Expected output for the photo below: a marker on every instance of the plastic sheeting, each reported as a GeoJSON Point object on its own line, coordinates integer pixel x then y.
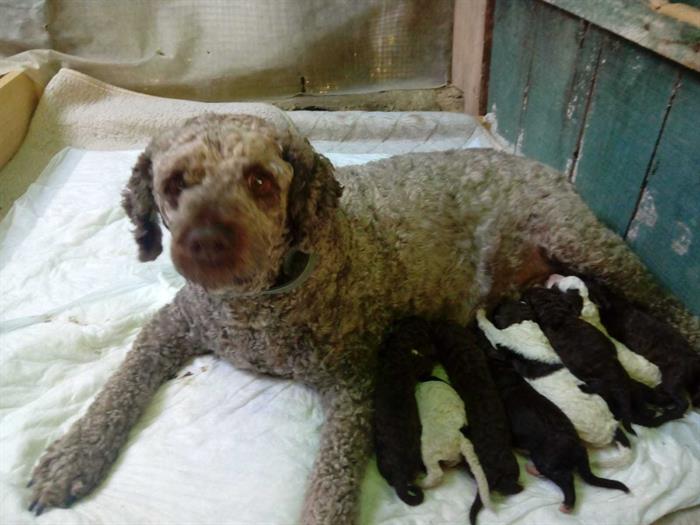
{"type": "Point", "coordinates": [233, 50]}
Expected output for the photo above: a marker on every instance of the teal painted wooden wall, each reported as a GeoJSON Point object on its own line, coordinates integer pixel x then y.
{"type": "Point", "coordinates": [621, 122]}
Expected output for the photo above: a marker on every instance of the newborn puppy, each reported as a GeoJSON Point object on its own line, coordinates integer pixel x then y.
{"type": "Point", "coordinates": [637, 366]}
{"type": "Point", "coordinates": [459, 351]}
{"type": "Point", "coordinates": [590, 355]}
{"type": "Point", "coordinates": [406, 355]}
{"type": "Point", "coordinates": [654, 339]}
{"type": "Point", "coordinates": [517, 335]}
{"type": "Point", "coordinates": [443, 439]}
{"type": "Point", "coordinates": [539, 427]}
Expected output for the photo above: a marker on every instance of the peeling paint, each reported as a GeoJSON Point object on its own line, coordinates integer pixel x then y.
{"type": "Point", "coordinates": [523, 109]}
{"type": "Point", "coordinates": [633, 232]}
{"type": "Point", "coordinates": [518, 150]}
{"type": "Point", "coordinates": [579, 149]}
{"type": "Point", "coordinates": [682, 238]}
{"type": "Point", "coordinates": [569, 165]}
{"type": "Point", "coordinates": [646, 215]}
{"type": "Point", "coordinates": [571, 107]}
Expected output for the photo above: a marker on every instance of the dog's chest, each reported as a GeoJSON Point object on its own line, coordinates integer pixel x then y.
{"type": "Point", "coordinates": [258, 340]}
{"type": "Point", "coordinates": [261, 350]}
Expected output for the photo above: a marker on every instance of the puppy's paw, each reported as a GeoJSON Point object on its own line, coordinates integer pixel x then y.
{"type": "Point", "coordinates": [532, 470]}
{"type": "Point", "coordinates": [565, 509]}
{"type": "Point", "coordinates": [67, 471]}
{"type": "Point", "coordinates": [410, 494]}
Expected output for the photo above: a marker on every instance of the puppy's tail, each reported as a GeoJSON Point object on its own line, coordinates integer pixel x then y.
{"type": "Point", "coordinates": [584, 470]}
{"type": "Point", "coordinates": [410, 494]}
{"type": "Point", "coordinates": [482, 484]}
{"type": "Point", "coordinates": [475, 508]}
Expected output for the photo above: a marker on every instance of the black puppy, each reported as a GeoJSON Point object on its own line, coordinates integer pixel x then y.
{"type": "Point", "coordinates": [460, 352]}
{"type": "Point", "coordinates": [539, 427]}
{"type": "Point", "coordinates": [652, 338]}
{"type": "Point", "coordinates": [591, 356]}
{"type": "Point", "coordinates": [406, 355]}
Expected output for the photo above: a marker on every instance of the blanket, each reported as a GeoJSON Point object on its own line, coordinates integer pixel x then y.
{"type": "Point", "coordinates": [216, 445]}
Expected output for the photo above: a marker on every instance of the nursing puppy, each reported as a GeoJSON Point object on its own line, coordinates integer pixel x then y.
{"type": "Point", "coordinates": [636, 365]}
{"type": "Point", "coordinates": [590, 356]}
{"type": "Point", "coordinates": [444, 439]}
{"type": "Point", "coordinates": [654, 339]}
{"type": "Point", "coordinates": [406, 355]}
{"type": "Point", "coordinates": [540, 428]}
{"type": "Point", "coordinates": [460, 352]}
{"type": "Point", "coordinates": [529, 351]}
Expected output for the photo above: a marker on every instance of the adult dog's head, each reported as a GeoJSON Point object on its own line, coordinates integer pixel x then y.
{"type": "Point", "coordinates": [237, 196]}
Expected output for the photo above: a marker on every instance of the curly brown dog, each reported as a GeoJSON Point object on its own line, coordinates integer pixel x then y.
{"type": "Point", "coordinates": [286, 278]}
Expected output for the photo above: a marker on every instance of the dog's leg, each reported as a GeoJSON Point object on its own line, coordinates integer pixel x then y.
{"type": "Point", "coordinates": [73, 465]}
{"type": "Point", "coordinates": [346, 443]}
{"type": "Point", "coordinates": [434, 473]}
{"type": "Point", "coordinates": [569, 232]}
{"type": "Point", "coordinates": [565, 481]}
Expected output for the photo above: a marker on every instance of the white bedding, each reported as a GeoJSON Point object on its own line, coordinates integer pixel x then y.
{"type": "Point", "coordinates": [216, 445]}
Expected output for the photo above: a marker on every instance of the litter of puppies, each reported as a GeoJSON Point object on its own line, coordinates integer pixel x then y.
{"type": "Point", "coordinates": [555, 374]}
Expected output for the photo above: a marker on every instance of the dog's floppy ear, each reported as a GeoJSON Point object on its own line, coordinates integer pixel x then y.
{"type": "Point", "coordinates": [314, 191]}
{"type": "Point", "coordinates": [140, 206]}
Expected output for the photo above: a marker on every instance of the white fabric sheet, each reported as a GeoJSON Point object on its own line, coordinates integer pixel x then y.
{"type": "Point", "coordinates": [216, 445]}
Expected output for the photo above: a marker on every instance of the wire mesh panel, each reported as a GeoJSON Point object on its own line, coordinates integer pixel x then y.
{"type": "Point", "coordinates": [243, 49]}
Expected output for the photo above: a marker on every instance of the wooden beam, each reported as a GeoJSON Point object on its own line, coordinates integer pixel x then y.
{"type": "Point", "coordinates": [469, 40]}
{"type": "Point", "coordinates": [18, 99]}
{"type": "Point", "coordinates": [669, 36]}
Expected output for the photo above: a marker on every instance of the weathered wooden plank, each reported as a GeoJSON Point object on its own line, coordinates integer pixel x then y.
{"type": "Point", "coordinates": [627, 108]}
{"type": "Point", "coordinates": [665, 231]}
{"type": "Point", "coordinates": [566, 51]}
{"type": "Point", "coordinates": [636, 21]}
{"type": "Point", "coordinates": [468, 39]}
{"type": "Point", "coordinates": [511, 54]}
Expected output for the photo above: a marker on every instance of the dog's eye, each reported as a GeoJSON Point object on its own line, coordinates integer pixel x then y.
{"type": "Point", "coordinates": [173, 187]}
{"type": "Point", "coordinates": [261, 183]}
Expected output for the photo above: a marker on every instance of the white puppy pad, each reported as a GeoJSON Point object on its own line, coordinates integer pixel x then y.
{"type": "Point", "coordinates": [216, 445]}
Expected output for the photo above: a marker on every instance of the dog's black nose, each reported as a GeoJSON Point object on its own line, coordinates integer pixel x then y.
{"type": "Point", "coordinates": [210, 243]}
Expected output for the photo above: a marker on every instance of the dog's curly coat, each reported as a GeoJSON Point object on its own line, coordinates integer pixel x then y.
{"type": "Point", "coordinates": [427, 234]}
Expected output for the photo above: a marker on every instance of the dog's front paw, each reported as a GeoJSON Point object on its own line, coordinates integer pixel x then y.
{"type": "Point", "coordinates": [68, 470]}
